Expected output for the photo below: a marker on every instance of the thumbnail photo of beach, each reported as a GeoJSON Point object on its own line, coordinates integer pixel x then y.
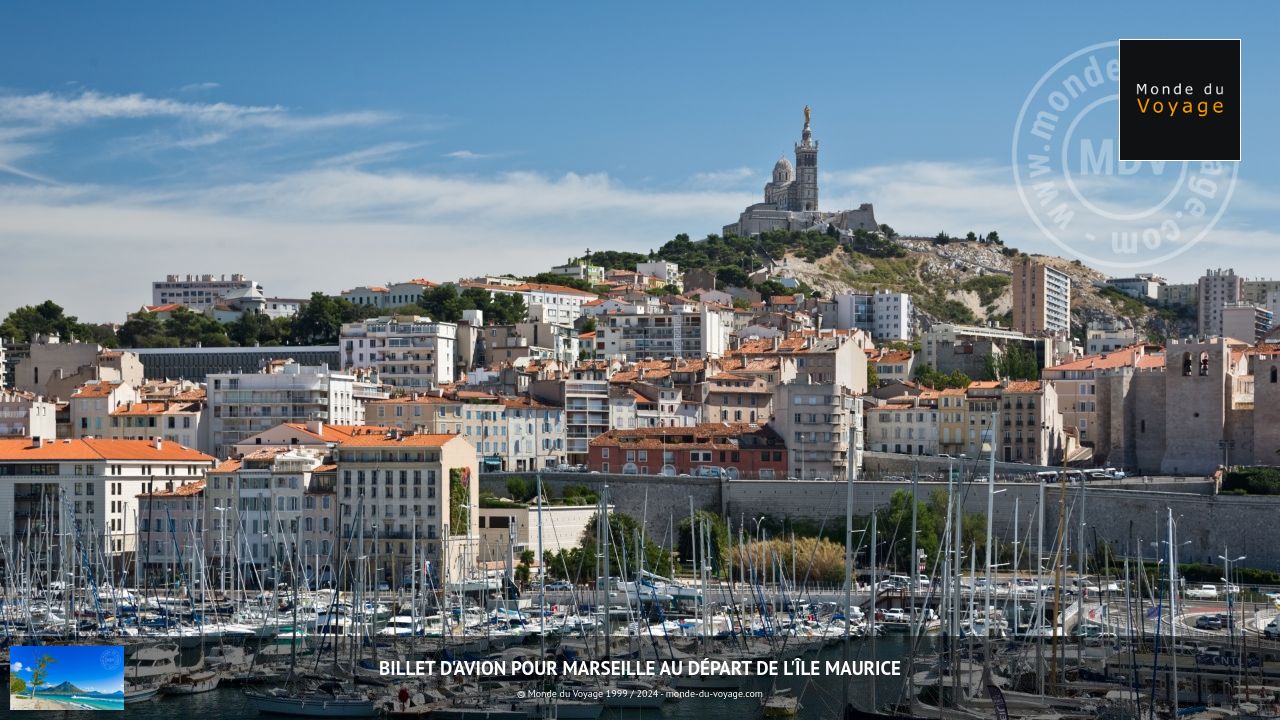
{"type": "Point", "coordinates": [64, 677]}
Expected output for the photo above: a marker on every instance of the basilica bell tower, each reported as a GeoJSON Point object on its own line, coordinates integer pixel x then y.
{"type": "Point", "coordinates": [806, 182]}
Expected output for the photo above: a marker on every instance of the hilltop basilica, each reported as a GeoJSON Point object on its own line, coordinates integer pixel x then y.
{"type": "Point", "coordinates": [791, 198]}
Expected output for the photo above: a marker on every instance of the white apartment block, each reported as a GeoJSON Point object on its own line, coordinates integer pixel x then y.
{"type": "Point", "coordinates": [667, 272]}
{"type": "Point", "coordinates": [89, 484]}
{"type": "Point", "coordinates": [405, 351]}
{"type": "Point", "coordinates": [508, 433]}
{"type": "Point", "coordinates": [891, 313]}
{"type": "Point", "coordinates": [691, 330]}
{"type": "Point", "coordinates": [198, 292]}
{"type": "Point", "coordinates": [1101, 338]}
{"type": "Point", "coordinates": [24, 414]}
{"type": "Point", "coordinates": [245, 404]}
{"type": "Point", "coordinates": [391, 295]}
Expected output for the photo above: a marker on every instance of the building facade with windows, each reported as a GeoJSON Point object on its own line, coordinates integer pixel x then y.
{"type": "Point", "coordinates": [244, 404]}
{"type": "Point", "coordinates": [394, 487]}
{"type": "Point", "coordinates": [65, 490]}
{"type": "Point", "coordinates": [731, 450]}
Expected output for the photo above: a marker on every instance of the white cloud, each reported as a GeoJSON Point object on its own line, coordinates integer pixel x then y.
{"type": "Point", "coordinates": [17, 667]}
{"type": "Point", "coordinates": [197, 87]}
{"type": "Point", "coordinates": [51, 110]}
{"type": "Point", "coordinates": [365, 156]}
{"type": "Point", "coordinates": [469, 155]}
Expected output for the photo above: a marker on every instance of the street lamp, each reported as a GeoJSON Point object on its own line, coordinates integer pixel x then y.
{"type": "Point", "coordinates": [1226, 579]}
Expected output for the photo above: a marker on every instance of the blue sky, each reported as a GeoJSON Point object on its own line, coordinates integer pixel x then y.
{"type": "Point", "coordinates": [92, 669]}
{"type": "Point", "coordinates": [323, 146]}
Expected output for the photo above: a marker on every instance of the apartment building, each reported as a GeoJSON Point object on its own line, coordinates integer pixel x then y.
{"type": "Point", "coordinates": [907, 424]}
{"type": "Point", "coordinates": [508, 433]}
{"type": "Point", "coordinates": [1041, 298]}
{"type": "Point", "coordinates": [393, 487]}
{"type": "Point", "coordinates": [24, 414]}
{"type": "Point", "coordinates": [819, 356]}
{"type": "Point", "coordinates": [255, 515]}
{"type": "Point", "coordinates": [405, 351]}
{"type": "Point", "coordinates": [55, 369]}
{"type": "Point", "coordinates": [690, 330]}
{"type": "Point", "coordinates": [584, 394]}
{"type": "Point", "coordinates": [1030, 427]}
{"type": "Point", "coordinates": [1245, 321]}
{"type": "Point", "coordinates": [817, 420]}
{"type": "Point", "coordinates": [242, 405]}
{"type": "Point", "coordinates": [51, 486]}
{"type": "Point", "coordinates": [1215, 290]}
{"type": "Point", "coordinates": [737, 398]}
{"type": "Point", "coordinates": [198, 292]}
{"type": "Point", "coordinates": [171, 533]}
{"type": "Point", "coordinates": [1076, 385]}
{"type": "Point", "coordinates": [732, 450]}
{"type": "Point", "coordinates": [391, 295]}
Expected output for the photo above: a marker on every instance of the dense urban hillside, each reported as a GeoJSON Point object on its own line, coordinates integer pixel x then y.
{"type": "Point", "coordinates": [951, 279]}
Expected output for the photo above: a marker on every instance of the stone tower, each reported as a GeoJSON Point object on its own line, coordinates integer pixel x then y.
{"type": "Point", "coordinates": [805, 188]}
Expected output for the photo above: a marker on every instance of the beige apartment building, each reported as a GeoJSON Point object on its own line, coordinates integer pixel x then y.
{"type": "Point", "coordinates": [1041, 298]}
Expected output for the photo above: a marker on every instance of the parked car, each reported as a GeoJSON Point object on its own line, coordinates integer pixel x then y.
{"type": "Point", "coordinates": [559, 585]}
{"type": "Point", "coordinates": [1208, 622]}
{"type": "Point", "coordinates": [895, 615]}
{"type": "Point", "coordinates": [1272, 630]}
{"type": "Point", "coordinates": [1204, 592]}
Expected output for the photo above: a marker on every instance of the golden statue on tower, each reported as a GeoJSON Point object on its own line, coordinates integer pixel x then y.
{"type": "Point", "coordinates": [806, 114]}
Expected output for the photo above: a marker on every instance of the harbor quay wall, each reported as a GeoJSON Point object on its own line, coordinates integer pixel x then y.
{"type": "Point", "coordinates": [660, 501]}
{"type": "Point", "coordinates": [1129, 517]}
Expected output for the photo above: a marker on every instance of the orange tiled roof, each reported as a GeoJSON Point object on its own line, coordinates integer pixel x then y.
{"type": "Point", "coordinates": [153, 408]}
{"type": "Point", "coordinates": [1124, 357]}
{"type": "Point", "coordinates": [1023, 386]}
{"type": "Point", "coordinates": [98, 449]}
{"type": "Point", "coordinates": [166, 307]}
{"type": "Point", "coordinates": [227, 466]}
{"type": "Point", "coordinates": [340, 433]}
{"type": "Point", "coordinates": [95, 390]}
{"type": "Point", "coordinates": [183, 490]}
{"type": "Point", "coordinates": [397, 440]}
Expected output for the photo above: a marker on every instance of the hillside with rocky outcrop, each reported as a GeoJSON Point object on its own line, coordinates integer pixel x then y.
{"type": "Point", "coordinates": [968, 282]}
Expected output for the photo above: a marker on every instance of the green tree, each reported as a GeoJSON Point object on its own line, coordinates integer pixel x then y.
{"type": "Point", "coordinates": [926, 375]}
{"type": "Point", "coordinates": [526, 565]}
{"type": "Point", "coordinates": [40, 673]}
{"type": "Point", "coordinates": [16, 685]}
{"type": "Point", "coordinates": [442, 303]}
{"type": "Point", "coordinates": [189, 327]}
{"type": "Point", "coordinates": [719, 540]}
{"type": "Point", "coordinates": [319, 322]}
{"type": "Point", "coordinates": [1015, 363]}
{"type": "Point", "coordinates": [141, 330]}
{"type": "Point", "coordinates": [459, 500]}
{"type": "Point", "coordinates": [894, 527]}
{"type": "Point", "coordinates": [521, 488]}
{"type": "Point", "coordinates": [578, 564]}
{"type": "Point", "coordinates": [873, 377]}
{"type": "Point", "coordinates": [47, 318]}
